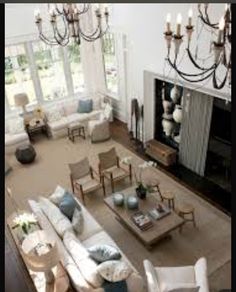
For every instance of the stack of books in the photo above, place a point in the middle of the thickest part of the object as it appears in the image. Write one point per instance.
(141, 220)
(159, 212)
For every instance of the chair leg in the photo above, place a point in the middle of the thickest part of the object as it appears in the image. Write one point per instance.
(82, 195)
(112, 185)
(130, 173)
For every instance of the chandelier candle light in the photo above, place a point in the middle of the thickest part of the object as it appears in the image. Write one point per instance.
(221, 46)
(70, 16)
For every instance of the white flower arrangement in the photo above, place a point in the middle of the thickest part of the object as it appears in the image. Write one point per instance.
(141, 167)
(24, 221)
(126, 160)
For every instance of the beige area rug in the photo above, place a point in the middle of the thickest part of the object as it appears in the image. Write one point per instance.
(211, 239)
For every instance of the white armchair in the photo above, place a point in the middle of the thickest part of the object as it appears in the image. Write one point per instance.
(165, 279)
(99, 129)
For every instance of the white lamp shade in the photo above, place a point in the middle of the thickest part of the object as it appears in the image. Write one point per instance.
(45, 261)
(21, 99)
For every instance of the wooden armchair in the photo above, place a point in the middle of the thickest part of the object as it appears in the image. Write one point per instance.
(109, 167)
(84, 179)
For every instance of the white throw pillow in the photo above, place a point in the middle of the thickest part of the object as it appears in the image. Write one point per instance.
(114, 271)
(54, 114)
(59, 221)
(57, 195)
(16, 126)
(96, 103)
(107, 111)
(178, 287)
(70, 107)
(80, 255)
(78, 221)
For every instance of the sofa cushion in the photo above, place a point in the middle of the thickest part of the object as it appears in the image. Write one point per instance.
(11, 139)
(59, 221)
(54, 113)
(70, 107)
(94, 115)
(182, 288)
(16, 125)
(57, 196)
(78, 221)
(104, 252)
(85, 106)
(68, 205)
(87, 266)
(175, 275)
(114, 271)
(58, 125)
(77, 118)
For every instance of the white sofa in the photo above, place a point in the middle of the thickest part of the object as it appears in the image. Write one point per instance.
(92, 234)
(15, 134)
(61, 114)
(164, 279)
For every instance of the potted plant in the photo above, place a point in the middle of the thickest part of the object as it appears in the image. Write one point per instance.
(24, 221)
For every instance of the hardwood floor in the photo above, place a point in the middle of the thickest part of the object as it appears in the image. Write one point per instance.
(16, 275)
(201, 186)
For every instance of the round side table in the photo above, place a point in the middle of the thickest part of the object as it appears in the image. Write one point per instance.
(169, 197)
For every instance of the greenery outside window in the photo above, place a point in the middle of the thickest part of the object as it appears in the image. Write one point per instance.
(110, 63)
(17, 74)
(49, 62)
(74, 58)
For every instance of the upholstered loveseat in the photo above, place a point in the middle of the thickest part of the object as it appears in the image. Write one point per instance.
(92, 234)
(61, 114)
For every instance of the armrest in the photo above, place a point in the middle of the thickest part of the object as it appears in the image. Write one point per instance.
(201, 275)
(151, 275)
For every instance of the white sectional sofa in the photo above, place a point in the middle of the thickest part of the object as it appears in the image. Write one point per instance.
(15, 134)
(92, 234)
(61, 114)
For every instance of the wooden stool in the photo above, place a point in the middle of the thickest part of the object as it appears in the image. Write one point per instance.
(185, 210)
(169, 196)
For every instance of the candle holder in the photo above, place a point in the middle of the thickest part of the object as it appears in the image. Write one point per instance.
(218, 49)
(178, 39)
(189, 31)
(168, 37)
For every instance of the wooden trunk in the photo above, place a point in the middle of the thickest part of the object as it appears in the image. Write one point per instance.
(161, 152)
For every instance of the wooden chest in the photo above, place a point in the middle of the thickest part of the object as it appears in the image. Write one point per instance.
(161, 152)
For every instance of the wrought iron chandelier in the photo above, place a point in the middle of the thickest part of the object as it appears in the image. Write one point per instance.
(220, 48)
(66, 23)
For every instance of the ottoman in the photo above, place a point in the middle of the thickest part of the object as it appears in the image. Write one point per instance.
(25, 154)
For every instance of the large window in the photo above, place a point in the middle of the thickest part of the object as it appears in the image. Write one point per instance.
(49, 62)
(74, 57)
(17, 74)
(110, 63)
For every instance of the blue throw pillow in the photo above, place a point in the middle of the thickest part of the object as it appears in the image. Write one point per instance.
(85, 106)
(104, 252)
(68, 205)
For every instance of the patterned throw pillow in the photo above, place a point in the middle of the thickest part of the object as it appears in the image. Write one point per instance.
(70, 107)
(104, 252)
(85, 106)
(53, 114)
(114, 271)
(16, 126)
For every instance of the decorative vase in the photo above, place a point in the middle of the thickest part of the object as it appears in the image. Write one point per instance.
(118, 199)
(167, 106)
(168, 127)
(141, 192)
(175, 94)
(132, 203)
(177, 114)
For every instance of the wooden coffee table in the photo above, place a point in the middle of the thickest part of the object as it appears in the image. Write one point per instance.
(161, 228)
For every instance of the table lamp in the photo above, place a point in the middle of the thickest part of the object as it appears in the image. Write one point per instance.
(21, 99)
(46, 258)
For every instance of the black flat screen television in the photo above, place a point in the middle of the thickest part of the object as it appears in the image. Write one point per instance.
(221, 124)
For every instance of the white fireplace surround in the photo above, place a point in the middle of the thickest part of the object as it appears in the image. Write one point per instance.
(149, 99)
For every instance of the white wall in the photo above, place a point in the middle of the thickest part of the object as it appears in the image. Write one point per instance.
(144, 25)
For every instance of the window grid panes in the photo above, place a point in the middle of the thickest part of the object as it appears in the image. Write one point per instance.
(74, 58)
(17, 74)
(50, 69)
(110, 63)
